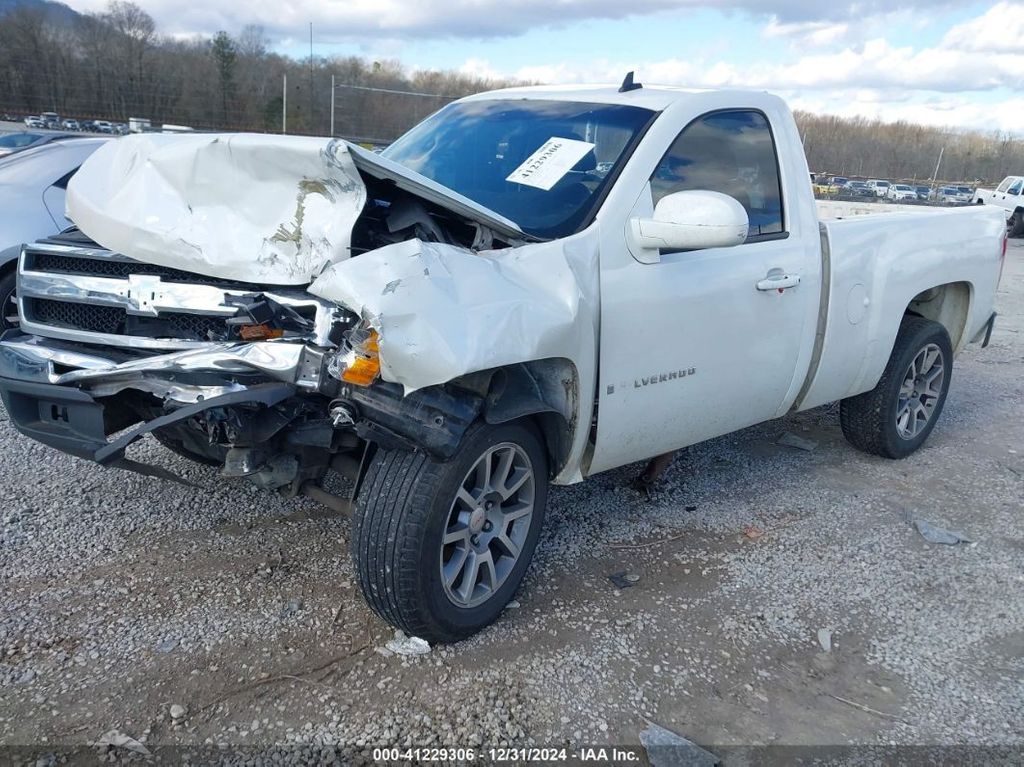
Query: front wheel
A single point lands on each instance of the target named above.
(896, 417)
(441, 547)
(8, 301)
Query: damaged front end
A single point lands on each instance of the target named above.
(340, 303)
(274, 385)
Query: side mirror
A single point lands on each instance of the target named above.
(691, 220)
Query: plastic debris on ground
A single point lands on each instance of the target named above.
(116, 739)
(623, 580)
(753, 532)
(168, 645)
(935, 534)
(825, 639)
(406, 645)
(666, 749)
(789, 439)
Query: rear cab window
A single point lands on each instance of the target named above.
(732, 152)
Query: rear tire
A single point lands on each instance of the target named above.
(1015, 224)
(896, 417)
(440, 548)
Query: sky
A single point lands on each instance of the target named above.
(939, 62)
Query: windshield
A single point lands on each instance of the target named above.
(15, 140)
(542, 164)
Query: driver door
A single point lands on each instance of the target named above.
(698, 344)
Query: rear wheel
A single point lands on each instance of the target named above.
(1015, 224)
(896, 417)
(441, 547)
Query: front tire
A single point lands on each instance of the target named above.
(440, 548)
(896, 417)
(8, 301)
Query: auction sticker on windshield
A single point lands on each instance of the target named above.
(546, 167)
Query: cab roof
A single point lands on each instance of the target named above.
(654, 97)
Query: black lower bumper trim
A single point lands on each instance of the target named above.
(70, 420)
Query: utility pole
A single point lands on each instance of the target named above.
(936, 174)
(332, 106)
(284, 104)
(312, 103)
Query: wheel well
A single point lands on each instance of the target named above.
(948, 304)
(547, 392)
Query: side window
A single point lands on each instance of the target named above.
(1005, 185)
(1015, 189)
(732, 153)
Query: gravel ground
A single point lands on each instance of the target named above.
(219, 616)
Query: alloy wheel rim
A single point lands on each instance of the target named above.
(487, 526)
(920, 391)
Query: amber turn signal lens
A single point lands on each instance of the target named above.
(259, 332)
(364, 362)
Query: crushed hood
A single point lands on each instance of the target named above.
(257, 208)
(263, 209)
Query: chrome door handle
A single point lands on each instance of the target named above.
(779, 281)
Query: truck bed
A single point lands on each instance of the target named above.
(874, 266)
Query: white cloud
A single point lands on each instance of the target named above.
(999, 30)
(875, 65)
(354, 20)
(812, 33)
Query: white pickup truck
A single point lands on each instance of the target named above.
(531, 286)
(1009, 196)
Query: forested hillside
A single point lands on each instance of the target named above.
(116, 64)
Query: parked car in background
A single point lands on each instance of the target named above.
(33, 121)
(967, 192)
(834, 185)
(923, 192)
(120, 129)
(901, 192)
(17, 142)
(860, 189)
(879, 187)
(1009, 196)
(32, 188)
(102, 126)
(51, 120)
(70, 125)
(951, 195)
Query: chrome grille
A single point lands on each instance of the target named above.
(96, 296)
(108, 267)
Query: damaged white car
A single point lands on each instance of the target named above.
(531, 286)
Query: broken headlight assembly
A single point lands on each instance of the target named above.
(359, 360)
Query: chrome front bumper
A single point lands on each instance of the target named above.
(170, 376)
